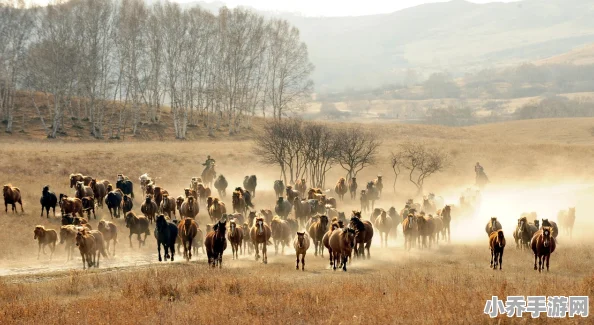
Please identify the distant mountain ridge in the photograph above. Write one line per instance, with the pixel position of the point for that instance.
(458, 36)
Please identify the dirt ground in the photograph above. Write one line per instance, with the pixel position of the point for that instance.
(543, 166)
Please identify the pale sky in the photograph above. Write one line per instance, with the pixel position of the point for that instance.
(324, 7)
(335, 7)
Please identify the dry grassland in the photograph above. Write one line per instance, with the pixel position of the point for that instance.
(541, 166)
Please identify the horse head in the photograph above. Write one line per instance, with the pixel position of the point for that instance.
(546, 236)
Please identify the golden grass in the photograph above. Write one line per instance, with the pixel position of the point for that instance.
(533, 166)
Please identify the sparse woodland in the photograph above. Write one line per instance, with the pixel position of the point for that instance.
(122, 63)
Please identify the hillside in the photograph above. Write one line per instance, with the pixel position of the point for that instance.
(457, 36)
(580, 56)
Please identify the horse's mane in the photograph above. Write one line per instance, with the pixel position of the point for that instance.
(358, 223)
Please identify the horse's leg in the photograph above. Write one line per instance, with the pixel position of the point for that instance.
(53, 248)
(82, 255)
(172, 250)
(39, 250)
(548, 257)
(539, 263)
(321, 248)
(297, 265)
(501, 259)
(535, 257)
(265, 254)
(492, 258)
(368, 253)
(257, 248)
(302, 261)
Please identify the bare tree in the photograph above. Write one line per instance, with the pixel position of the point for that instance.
(358, 149)
(397, 162)
(321, 150)
(422, 161)
(16, 28)
(289, 69)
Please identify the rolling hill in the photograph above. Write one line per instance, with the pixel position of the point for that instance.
(458, 36)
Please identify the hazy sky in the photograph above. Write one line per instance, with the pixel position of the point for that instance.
(335, 7)
(324, 7)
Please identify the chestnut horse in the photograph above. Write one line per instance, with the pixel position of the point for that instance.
(497, 244)
(235, 238)
(216, 243)
(12, 196)
(543, 245)
(260, 235)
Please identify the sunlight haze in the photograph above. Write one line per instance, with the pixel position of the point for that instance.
(327, 7)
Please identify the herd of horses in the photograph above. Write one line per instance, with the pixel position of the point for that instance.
(301, 216)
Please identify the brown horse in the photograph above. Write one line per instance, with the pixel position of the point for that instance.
(74, 178)
(99, 190)
(341, 188)
(149, 208)
(217, 210)
(159, 192)
(168, 206)
(378, 184)
(492, 225)
(216, 243)
(281, 233)
(86, 245)
(383, 223)
(138, 226)
(301, 187)
(239, 205)
(191, 192)
(189, 208)
(342, 242)
(301, 245)
(446, 215)
(316, 232)
(363, 234)
(110, 233)
(566, 220)
(188, 229)
(45, 237)
(70, 205)
(68, 236)
(543, 245)
(267, 215)
(410, 231)
(326, 239)
(553, 225)
(497, 244)
(83, 191)
(88, 205)
(235, 238)
(12, 196)
(291, 194)
(364, 201)
(353, 188)
(247, 245)
(203, 192)
(260, 235)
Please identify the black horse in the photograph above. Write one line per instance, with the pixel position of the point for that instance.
(113, 200)
(126, 186)
(166, 234)
(48, 200)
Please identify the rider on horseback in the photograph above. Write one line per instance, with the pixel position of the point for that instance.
(480, 174)
(209, 162)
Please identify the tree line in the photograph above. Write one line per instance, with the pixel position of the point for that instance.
(89, 56)
(304, 149)
(309, 150)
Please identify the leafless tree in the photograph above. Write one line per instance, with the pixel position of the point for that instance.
(422, 161)
(397, 162)
(289, 69)
(321, 150)
(16, 28)
(357, 150)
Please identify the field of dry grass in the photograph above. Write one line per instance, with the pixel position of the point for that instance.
(541, 166)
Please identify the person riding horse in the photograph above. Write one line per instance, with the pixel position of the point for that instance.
(481, 177)
(209, 162)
